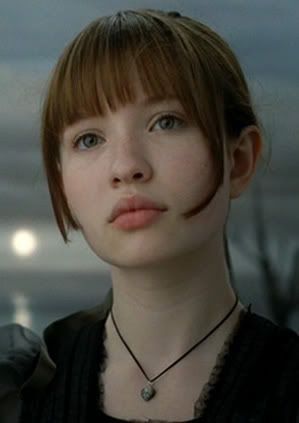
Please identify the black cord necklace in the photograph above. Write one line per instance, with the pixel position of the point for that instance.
(149, 392)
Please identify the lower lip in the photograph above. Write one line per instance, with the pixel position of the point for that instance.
(136, 219)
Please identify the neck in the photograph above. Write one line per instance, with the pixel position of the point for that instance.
(163, 311)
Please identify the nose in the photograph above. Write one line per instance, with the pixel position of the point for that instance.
(130, 166)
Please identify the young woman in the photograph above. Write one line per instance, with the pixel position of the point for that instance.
(148, 132)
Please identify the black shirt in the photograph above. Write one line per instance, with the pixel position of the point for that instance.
(255, 378)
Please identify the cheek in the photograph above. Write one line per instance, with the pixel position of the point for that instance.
(191, 176)
(79, 189)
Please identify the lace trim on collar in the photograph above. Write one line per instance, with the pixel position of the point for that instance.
(202, 402)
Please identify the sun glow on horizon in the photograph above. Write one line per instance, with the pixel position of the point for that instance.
(24, 242)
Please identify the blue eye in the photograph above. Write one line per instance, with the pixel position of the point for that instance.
(87, 141)
(168, 122)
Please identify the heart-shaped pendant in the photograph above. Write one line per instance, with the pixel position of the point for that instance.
(148, 393)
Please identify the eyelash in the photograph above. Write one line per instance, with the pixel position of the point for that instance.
(170, 116)
(94, 135)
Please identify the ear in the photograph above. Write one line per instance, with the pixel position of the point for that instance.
(244, 153)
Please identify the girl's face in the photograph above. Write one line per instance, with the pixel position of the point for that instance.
(148, 148)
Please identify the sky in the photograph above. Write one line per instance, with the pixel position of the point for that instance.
(264, 35)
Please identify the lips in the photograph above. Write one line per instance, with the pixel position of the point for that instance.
(136, 202)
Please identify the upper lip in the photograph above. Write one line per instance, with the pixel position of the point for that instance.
(135, 202)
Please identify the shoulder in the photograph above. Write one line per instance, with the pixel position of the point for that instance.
(21, 352)
(271, 344)
(271, 363)
(28, 362)
(62, 332)
(24, 363)
(260, 375)
(270, 331)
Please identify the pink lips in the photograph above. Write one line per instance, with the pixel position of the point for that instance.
(135, 211)
(136, 219)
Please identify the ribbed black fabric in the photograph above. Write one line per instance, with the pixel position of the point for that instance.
(258, 383)
(260, 379)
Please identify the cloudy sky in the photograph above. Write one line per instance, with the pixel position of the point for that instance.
(265, 36)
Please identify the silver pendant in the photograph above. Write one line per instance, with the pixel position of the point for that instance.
(148, 393)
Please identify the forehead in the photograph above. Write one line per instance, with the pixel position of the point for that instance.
(139, 97)
(148, 99)
(135, 95)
